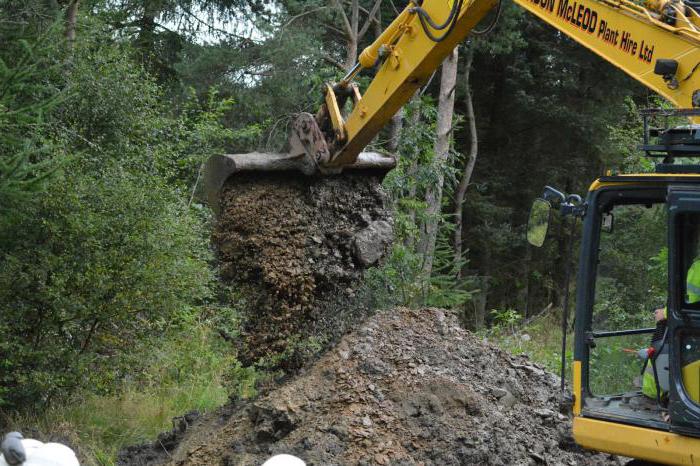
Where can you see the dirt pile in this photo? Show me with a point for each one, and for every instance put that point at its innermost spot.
(407, 388)
(295, 247)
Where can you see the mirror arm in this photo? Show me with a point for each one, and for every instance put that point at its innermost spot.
(574, 210)
(551, 194)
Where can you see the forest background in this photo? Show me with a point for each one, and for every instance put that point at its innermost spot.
(109, 299)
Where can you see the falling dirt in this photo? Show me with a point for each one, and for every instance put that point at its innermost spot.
(407, 388)
(295, 249)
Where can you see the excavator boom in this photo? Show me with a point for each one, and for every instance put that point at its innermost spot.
(658, 44)
(640, 41)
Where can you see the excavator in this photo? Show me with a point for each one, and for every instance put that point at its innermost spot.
(657, 42)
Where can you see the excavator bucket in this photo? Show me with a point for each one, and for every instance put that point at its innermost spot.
(308, 155)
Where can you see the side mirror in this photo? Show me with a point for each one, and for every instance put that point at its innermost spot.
(538, 223)
(607, 222)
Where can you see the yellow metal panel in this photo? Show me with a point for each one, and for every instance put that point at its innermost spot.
(625, 34)
(576, 381)
(418, 57)
(691, 380)
(369, 56)
(598, 184)
(636, 442)
(334, 113)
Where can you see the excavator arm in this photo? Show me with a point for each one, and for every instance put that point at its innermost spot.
(657, 43)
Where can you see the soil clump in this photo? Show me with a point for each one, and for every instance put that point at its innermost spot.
(407, 388)
(295, 248)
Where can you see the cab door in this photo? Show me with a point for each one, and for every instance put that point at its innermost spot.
(683, 334)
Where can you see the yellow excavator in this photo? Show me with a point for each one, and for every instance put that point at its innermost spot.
(656, 42)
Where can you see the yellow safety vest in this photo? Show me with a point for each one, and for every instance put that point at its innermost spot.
(692, 283)
(692, 288)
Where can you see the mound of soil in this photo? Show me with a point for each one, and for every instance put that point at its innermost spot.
(295, 248)
(407, 388)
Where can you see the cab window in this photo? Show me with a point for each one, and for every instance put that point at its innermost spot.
(631, 283)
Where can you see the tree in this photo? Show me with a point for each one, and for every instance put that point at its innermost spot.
(433, 195)
(353, 31)
(25, 139)
(461, 190)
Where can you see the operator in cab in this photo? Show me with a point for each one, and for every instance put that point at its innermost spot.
(658, 351)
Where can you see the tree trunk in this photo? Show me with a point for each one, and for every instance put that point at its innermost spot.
(353, 31)
(71, 22)
(395, 129)
(147, 30)
(353, 37)
(461, 191)
(480, 303)
(433, 195)
(409, 241)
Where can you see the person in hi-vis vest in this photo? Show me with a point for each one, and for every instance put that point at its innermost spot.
(692, 295)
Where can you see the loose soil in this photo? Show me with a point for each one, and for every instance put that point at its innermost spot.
(294, 248)
(409, 387)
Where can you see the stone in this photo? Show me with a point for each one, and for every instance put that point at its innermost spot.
(371, 243)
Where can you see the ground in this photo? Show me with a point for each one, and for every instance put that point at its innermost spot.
(408, 387)
(399, 386)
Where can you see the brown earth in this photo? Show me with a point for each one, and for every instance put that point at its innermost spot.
(295, 249)
(407, 388)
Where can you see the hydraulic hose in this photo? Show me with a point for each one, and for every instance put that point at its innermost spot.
(427, 22)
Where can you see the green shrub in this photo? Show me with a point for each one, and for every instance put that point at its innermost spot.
(111, 253)
(189, 369)
(97, 264)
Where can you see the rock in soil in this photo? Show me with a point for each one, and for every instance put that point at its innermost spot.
(295, 248)
(407, 388)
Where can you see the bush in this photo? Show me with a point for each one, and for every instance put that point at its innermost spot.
(190, 369)
(99, 263)
(111, 253)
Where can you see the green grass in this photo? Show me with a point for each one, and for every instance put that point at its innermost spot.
(612, 369)
(544, 344)
(192, 370)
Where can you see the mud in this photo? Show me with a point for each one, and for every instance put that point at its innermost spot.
(407, 388)
(295, 248)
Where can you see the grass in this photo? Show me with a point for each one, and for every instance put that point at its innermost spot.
(612, 368)
(543, 345)
(192, 370)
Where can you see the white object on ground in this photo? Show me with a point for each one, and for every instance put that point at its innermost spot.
(45, 454)
(284, 460)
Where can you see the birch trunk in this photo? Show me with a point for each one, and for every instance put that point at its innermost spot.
(395, 128)
(409, 241)
(433, 195)
(461, 191)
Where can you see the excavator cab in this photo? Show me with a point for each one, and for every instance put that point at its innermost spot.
(657, 221)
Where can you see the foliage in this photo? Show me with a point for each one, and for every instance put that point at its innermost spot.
(613, 368)
(539, 338)
(637, 242)
(401, 279)
(190, 369)
(506, 319)
(25, 146)
(109, 255)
